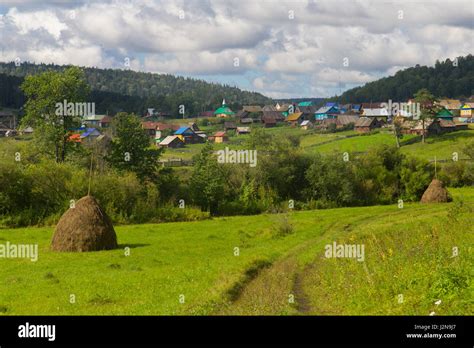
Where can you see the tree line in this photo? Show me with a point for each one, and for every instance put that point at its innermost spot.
(116, 90)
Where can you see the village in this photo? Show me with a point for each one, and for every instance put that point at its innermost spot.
(219, 125)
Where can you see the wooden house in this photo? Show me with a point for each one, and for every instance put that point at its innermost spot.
(220, 137)
(188, 136)
(229, 126)
(366, 124)
(326, 112)
(382, 114)
(105, 121)
(269, 121)
(242, 130)
(171, 141)
(295, 119)
(252, 109)
(150, 128)
(467, 110)
(306, 124)
(440, 126)
(346, 120)
(276, 115)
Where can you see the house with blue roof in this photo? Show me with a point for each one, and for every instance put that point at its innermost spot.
(188, 135)
(326, 112)
(356, 108)
(90, 134)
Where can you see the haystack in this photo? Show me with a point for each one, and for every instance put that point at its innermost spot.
(86, 227)
(435, 193)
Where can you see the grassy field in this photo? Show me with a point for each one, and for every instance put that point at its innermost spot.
(279, 267)
(359, 143)
(442, 147)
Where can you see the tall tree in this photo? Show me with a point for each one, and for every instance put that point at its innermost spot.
(130, 148)
(428, 107)
(207, 180)
(44, 93)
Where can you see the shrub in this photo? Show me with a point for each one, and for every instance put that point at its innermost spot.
(284, 227)
(457, 174)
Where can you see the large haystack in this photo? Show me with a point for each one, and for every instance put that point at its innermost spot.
(435, 193)
(86, 227)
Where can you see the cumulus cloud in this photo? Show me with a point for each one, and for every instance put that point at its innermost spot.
(290, 48)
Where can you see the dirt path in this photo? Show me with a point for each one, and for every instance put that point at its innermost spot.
(303, 303)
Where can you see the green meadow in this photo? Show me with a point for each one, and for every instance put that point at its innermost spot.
(263, 264)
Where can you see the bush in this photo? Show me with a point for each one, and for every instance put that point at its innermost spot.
(457, 174)
(415, 176)
(170, 213)
(284, 227)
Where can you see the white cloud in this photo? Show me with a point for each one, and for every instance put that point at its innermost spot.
(300, 56)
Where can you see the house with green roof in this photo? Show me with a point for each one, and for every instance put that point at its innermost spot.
(445, 114)
(224, 111)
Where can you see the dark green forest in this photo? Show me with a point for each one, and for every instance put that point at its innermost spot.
(449, 79)
(115, 90)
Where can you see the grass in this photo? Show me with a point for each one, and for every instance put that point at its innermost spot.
(441, 146)
(277, 268)
(359, 143)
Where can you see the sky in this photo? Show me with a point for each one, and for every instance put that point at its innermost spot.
(283, 49)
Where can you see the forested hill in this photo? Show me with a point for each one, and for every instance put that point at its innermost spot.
(116, 90)
(448, 79)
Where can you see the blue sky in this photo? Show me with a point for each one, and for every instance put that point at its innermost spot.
(298, 48)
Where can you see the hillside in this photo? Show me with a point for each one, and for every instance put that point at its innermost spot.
(446, 79)
(125, 90)
(279, 257)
